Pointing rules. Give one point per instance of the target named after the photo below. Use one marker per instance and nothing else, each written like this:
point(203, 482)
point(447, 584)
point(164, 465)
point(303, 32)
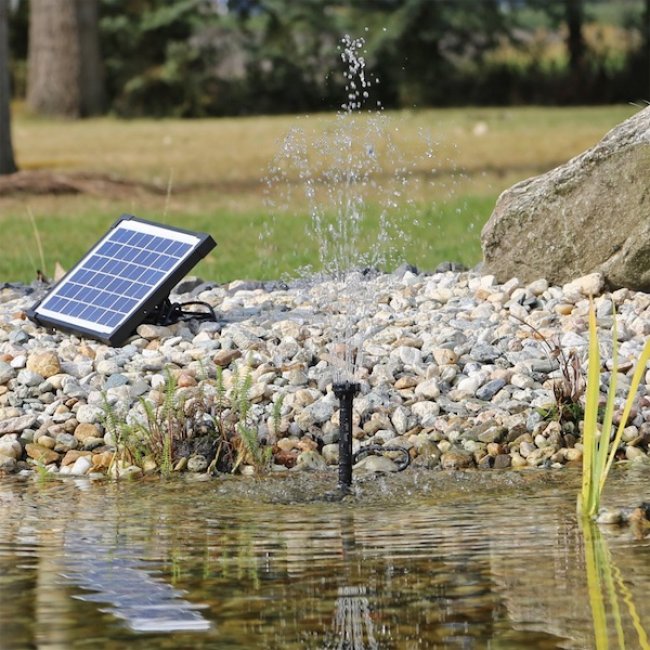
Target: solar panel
point(121, 280)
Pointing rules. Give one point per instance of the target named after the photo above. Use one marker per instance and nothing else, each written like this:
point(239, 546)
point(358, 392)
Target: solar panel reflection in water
point(124, 277)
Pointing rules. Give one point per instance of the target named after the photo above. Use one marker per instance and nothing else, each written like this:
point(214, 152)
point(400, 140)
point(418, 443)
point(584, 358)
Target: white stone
point(89, 414)
point(81, 466)
point(587, 285)
point(428, 389)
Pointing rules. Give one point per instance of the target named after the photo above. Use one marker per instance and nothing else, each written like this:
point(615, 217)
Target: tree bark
point(7, 162)
point(54, 63)
point(575, 39)
point(91, 73)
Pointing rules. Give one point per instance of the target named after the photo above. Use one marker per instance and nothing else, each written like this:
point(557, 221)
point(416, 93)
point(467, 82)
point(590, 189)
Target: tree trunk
point(54, 64)
point(7, 163)
point(91, 73)
point(575, 40)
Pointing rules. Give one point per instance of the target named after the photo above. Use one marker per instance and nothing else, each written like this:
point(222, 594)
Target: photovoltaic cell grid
point(120, 279)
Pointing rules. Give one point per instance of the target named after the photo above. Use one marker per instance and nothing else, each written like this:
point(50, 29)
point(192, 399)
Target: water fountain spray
point(345, 392)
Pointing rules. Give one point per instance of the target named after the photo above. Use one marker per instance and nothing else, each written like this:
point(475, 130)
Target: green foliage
point(598, 451)
point(156, 64)
point(209, 410)
point(155, 435)
point(233, 57)
point(250, 450)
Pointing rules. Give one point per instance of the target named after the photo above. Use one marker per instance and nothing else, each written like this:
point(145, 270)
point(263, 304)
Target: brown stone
point(456, 459)
point(224, 358)
point(102, 460)
point(502, 461)
point(85, 430)
point(44, 364)
point(406, 382)
point(42, 454)
point(72, 455)
point(185, 380)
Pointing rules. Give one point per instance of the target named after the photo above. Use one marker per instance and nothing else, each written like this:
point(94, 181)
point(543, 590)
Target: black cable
point(167, 312)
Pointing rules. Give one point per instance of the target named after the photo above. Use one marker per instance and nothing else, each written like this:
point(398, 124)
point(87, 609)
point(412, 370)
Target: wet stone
point(456, 459)
point(502, 461)
point(197, 463)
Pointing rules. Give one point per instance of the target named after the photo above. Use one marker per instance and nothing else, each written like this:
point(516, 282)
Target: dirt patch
point(47, 182)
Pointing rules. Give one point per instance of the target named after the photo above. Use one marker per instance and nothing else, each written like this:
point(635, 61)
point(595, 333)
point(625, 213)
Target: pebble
point(447, 365)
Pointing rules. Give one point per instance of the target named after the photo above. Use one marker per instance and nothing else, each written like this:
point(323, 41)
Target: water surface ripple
point(424, 560)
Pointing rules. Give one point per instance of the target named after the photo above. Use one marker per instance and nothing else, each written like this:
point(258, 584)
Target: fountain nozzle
point(345, 392)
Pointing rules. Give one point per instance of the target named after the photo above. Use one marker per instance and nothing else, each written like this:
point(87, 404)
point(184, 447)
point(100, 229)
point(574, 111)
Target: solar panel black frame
point(158, 289)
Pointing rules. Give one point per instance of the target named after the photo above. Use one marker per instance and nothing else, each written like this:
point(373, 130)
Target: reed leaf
point(598, 451)
point(639, 372)
point(590, 480)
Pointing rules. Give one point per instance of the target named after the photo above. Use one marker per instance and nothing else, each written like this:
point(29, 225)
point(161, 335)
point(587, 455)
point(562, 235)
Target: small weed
point(250, 450)
point(569, 388)
point(207, 419)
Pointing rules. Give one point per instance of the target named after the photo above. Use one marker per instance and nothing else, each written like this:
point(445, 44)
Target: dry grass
point(215, 170)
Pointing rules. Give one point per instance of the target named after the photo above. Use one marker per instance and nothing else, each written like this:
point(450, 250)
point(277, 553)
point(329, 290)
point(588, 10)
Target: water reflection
point(402, 565)
point(608, 593)
point(117, 576)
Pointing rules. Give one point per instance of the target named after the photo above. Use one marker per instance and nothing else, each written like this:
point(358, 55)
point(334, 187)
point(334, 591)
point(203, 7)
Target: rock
point(16, 424)
point(44, 364)
point(426, 412)
point(85, 430)
point(87, 414)
point(10, 448)
point(376, 464)
point(502, 461)
point(399, 420)
point(587, 216)
point(490, 389)
point(42, 454)
point(81, 466)
point(456, 459)
point(609, 517)
point(6, 372)
point(428, 389)
point(443, 356)
point(197, 463)
point(632, 453)
point(147, 331)
point(7, 463)
point(102, 461)
point(588, 285)
point(310, 460)
point(331, 454)
point(65, 442)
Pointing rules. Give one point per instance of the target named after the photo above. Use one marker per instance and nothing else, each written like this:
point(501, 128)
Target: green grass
point(456, 161)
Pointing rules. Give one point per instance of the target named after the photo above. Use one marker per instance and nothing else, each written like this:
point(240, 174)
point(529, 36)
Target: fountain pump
point(345, 392)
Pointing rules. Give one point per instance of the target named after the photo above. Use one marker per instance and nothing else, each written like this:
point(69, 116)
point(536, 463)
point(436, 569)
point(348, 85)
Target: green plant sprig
point(598, 451)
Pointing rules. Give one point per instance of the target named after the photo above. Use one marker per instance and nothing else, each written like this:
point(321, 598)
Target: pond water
point(420, 560)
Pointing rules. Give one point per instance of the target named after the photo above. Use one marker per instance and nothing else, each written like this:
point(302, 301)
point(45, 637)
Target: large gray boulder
point(591, 214)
